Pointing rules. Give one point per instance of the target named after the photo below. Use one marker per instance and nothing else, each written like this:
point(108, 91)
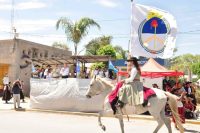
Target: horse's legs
point(104, 113)
point(159, 121)
point(166, 120)
point(119, 115)
point(156, 113)
point(121, 122)
point(125, 113)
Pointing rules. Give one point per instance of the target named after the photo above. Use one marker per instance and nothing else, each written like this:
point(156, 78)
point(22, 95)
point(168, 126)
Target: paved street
point(35, 122)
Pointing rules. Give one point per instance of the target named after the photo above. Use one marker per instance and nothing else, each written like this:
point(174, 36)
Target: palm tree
point(75, 31)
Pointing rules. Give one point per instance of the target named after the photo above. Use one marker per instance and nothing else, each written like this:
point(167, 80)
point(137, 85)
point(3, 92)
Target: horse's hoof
point(103, 128)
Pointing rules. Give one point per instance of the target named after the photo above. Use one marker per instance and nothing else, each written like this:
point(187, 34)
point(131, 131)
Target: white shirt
point(189, 90)
point(132, 75)
point(6, 80)
point(64, 71)
point(96, 72)
point(101, 73)
point(179, 104)
point(45, 72)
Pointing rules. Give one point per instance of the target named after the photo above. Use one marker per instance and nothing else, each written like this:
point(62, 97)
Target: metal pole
point(12, 17)
point(131, 31)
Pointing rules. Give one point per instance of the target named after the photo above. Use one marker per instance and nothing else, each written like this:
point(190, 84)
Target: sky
point(35, 20)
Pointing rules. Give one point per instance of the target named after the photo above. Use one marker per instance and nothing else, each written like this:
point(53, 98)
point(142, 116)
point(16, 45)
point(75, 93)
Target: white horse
point(156, 108)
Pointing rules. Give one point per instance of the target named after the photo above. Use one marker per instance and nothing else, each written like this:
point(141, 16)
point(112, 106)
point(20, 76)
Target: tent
point(152, 69)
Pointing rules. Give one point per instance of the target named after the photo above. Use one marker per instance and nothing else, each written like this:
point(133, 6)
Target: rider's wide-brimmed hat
point(132, 59)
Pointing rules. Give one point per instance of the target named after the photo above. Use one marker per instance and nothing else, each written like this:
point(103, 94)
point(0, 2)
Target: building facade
point(16, 57)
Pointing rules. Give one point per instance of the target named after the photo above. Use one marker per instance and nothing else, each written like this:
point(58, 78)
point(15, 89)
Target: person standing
point(56, 72)
point(65, 71)
point(96, 72)
point(21, 91)
point(6, 90)
point(16, 93)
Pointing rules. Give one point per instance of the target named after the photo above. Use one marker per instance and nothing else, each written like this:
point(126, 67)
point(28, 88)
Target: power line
point(115, 35)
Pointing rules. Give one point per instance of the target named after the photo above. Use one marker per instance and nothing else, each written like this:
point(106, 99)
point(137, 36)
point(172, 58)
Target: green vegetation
point(60, 45)
point(107, 50)
point(186, 63)
point(95, 44)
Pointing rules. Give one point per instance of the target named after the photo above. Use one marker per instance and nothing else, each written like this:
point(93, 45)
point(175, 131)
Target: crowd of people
point(14, 91)
point(187, 102)
point(57, 71)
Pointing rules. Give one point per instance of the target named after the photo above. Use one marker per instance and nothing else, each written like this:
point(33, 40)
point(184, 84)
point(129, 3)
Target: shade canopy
point(152, 69)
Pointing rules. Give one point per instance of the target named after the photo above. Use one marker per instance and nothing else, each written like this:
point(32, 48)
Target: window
point(24, 52)
point(46, 54)
point(35, 53)
point(29, 52)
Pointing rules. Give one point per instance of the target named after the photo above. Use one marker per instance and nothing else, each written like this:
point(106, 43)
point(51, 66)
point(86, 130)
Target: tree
point(186, 63)
point(183, 62)
point(75, 31)
point(60, 45)
point(120, 52)
point(196, 69)
point(107, 50)
point(95, 44)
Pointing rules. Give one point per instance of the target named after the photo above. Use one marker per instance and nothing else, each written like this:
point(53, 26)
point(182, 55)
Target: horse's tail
point(174, 108)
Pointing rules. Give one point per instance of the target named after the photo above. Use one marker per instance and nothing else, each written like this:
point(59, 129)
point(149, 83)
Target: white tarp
point(63, 94)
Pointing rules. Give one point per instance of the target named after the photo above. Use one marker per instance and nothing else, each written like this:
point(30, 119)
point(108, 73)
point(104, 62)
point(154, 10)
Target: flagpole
point(131, 31)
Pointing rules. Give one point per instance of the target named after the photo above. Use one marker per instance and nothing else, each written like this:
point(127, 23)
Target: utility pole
point(13, 29)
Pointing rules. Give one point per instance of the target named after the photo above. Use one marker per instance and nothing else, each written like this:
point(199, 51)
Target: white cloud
point(24, 25)
point(4, 25)
point(3, 1)
point(108, 3)
point(44, 39)
point(64, 13)
point(23, 5)
point(4, 6)
point(30, 5)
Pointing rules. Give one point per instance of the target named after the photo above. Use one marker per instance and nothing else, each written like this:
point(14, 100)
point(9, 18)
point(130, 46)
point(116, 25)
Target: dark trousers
point(64, 77)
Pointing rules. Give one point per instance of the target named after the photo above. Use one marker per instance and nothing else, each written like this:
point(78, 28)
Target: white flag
point(153, 32)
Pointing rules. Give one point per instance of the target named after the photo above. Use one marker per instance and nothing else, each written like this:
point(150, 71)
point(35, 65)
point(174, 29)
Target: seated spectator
point(168, 88)
point(155, 86)
point(189, 108)
point(190, 92)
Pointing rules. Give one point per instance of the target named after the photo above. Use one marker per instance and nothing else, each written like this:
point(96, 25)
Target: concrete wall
point(12, 51)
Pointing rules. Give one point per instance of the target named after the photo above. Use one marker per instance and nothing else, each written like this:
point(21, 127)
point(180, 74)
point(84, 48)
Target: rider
point(132, 92)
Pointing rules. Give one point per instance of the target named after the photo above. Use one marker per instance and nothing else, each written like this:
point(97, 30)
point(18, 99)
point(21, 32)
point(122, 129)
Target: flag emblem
point(153, 33)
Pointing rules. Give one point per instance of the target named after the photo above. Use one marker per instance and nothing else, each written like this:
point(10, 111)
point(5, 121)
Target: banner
point(153, 32)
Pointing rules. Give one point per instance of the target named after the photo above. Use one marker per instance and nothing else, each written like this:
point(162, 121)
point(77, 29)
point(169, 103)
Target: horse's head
point(97, 86)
